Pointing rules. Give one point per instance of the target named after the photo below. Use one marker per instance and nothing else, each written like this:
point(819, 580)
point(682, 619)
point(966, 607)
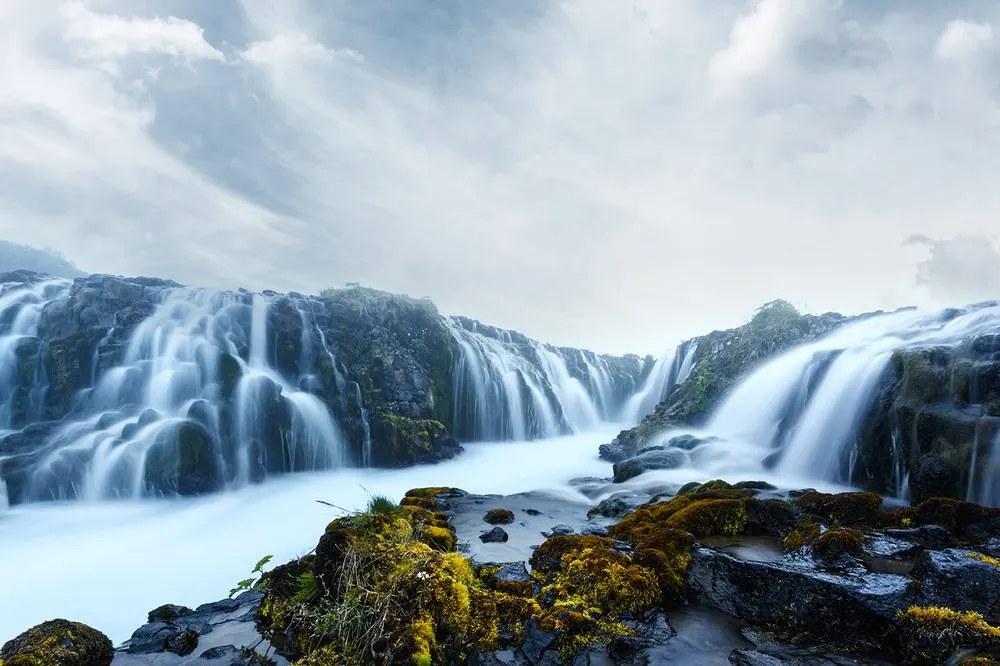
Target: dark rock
point(533, 512)
point(561, 530)
point(613, 507)
point(853, 605)
point(499, 517)
point(220, 652)
point(536, 641)
point(59, 643)
point(933, 537)
point(755, 485)
point(495, 535)
point(754, 658)
point(956, 579)
point(633, 467)
point(168, 612)
point(935, 476)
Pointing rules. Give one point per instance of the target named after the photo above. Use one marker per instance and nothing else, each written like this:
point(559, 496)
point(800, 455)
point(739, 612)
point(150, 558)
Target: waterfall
point(987, 489)
point(20, 309)
point(509, 387)
point(182, 411)
point(801, 411)
point(668, 372)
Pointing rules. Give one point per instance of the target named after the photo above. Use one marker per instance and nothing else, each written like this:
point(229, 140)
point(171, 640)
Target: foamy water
point(108, 563)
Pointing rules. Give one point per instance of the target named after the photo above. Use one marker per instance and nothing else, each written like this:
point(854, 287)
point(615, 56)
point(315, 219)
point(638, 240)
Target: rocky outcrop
point(937, 411)
point(720, 360)
point(374, 370)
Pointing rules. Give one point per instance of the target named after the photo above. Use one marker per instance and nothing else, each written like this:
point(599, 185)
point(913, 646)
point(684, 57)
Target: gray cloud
point(592, 173)
point(963, 269)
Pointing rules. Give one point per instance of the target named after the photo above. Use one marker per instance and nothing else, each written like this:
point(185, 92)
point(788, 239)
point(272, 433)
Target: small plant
point(381, 505)
point(253, 582)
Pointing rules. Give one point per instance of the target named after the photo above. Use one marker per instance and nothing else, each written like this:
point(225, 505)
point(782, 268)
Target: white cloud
point(961, 39)
point(114, 36)
point(761, 39)
point(294, 46)
point(566, 168)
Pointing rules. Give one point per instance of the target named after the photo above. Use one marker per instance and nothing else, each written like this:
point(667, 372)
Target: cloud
point(961, 39)
point(761, 40)
point(959, 270)
point(596, 174)
point(114, 36)
point(295, 46)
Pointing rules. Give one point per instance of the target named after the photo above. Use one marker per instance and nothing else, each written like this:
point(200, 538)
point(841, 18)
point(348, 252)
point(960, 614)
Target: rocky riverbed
point(711, 574)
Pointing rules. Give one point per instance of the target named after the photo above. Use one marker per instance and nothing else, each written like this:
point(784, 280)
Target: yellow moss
point(499, 517)
point(929, 634)
point(986, 559)
point(429, 492)
point(592, 588)
point(423, 640)
point(422, 502)
point(440, 538)
point(711, 517)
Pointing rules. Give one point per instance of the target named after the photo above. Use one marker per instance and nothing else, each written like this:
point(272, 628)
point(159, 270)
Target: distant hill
point(14, 256)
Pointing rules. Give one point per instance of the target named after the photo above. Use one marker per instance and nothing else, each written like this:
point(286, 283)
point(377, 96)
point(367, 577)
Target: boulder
point(651, 460)
point(495, 535)
point(58, 643)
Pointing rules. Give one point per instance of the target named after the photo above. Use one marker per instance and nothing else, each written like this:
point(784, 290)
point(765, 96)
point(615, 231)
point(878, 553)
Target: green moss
point(847, 509)
point(806, 531)
point(711, 517)
point(929, 635)
point(838, 541)
point(59, 643)
point(499, 517)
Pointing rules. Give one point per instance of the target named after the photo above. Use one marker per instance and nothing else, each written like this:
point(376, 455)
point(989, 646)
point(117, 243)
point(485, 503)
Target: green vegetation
point(930, 634)
point(774, 313)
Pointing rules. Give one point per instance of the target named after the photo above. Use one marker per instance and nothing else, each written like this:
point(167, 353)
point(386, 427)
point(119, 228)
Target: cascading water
point(160, 420)
point(984, 481)
point(20, 309)
point(668, 372)
point(515, 388)
point(801, 412)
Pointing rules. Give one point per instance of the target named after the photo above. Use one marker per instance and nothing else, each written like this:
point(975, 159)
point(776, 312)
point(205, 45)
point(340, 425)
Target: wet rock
point(179, 630)
point(933, 537)
point(613, 507)
point(220, 652)
point(536, 641)
point(653, 632)
point(559, 530)
point(956, 579)
point(935, 476)
point(59, 643)
point(853, 604)
point(653, 460)
point(495, 535)
point(754, 658)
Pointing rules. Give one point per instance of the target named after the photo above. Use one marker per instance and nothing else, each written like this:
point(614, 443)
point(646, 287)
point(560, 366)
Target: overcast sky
point(615, 175)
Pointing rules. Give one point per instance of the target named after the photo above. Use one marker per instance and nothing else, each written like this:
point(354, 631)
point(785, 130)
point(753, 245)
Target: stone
point(495, 535)
point(59, 643)
point(653, 460)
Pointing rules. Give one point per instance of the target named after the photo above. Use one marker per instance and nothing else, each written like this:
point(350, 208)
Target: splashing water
point(802, 410)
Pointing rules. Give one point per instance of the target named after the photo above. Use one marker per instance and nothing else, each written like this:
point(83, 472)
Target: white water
point(807, 404)
point(124, 440)
point(108, 563)
point(521, 389)
point(669, 372)
point(20, 310)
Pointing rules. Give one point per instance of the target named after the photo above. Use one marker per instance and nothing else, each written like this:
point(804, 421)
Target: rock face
point(937, 411)
point(58, 643)
point(720, 359)
point(200, 389)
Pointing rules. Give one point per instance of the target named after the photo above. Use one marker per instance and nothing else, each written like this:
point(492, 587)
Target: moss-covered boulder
point(58, 643)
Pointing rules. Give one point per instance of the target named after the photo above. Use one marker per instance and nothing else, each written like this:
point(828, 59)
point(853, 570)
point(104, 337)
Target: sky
point(607, 174)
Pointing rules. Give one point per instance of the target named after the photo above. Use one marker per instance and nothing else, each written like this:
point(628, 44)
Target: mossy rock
point(931, 634)
point(499, 517)
point(58, 643)
point(838, 541)
point(847, 509)
point(711, 517)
